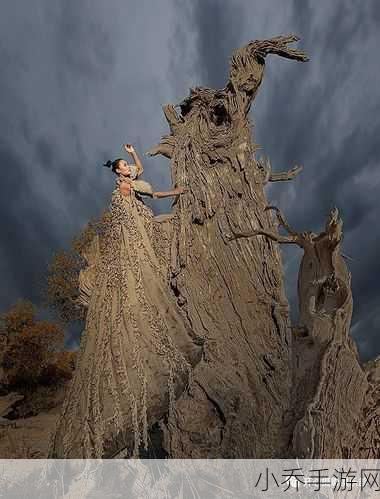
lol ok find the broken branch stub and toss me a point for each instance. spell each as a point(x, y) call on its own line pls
point(215, 283)
point(233, 293)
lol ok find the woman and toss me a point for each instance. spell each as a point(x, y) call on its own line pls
point(128, 174)
point(137, 350)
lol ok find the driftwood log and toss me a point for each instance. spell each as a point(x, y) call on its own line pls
point(264, 389)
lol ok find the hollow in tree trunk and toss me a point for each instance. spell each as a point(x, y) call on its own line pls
point(263, 389)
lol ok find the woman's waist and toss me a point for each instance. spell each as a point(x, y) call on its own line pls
point(129, 205)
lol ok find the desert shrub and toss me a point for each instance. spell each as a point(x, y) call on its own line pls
point(59, 369)
point(62, 282)
point(32, 348)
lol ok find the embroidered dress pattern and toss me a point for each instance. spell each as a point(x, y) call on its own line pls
point(137, 350)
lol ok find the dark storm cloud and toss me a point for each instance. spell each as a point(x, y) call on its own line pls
point(217, 36)
point(37, 172)
point(78, 79)
point(81, 78)
point(323, 114)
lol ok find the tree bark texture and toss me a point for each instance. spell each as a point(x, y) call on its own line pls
point(263, 388)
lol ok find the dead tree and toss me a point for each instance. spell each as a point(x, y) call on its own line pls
point(335, 400)
point(261, 391)
point(232, 292)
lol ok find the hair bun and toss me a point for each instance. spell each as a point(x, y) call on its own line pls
point(108, 164)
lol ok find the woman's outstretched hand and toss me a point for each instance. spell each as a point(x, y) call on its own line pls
point(129, 148)
point(180, 190)
point(175, 192)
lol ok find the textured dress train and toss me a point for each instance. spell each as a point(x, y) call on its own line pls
point(137, 350)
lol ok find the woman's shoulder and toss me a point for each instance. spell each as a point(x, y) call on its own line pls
point(142, 187)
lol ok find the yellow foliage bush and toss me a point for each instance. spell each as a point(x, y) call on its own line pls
point(31, 349)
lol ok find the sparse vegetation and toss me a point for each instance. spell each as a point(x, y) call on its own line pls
point(32, 349)
point(62, 288)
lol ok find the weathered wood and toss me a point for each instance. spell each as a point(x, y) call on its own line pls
point(334, 399)
point(261, 391)
point(231, 291)
point(165, 147)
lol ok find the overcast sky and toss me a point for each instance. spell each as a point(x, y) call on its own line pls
point(81, 77)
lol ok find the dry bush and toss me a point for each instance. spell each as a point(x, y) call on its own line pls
point(62, 287)
point(32, 348)
point(60, 368)
point(21, 314)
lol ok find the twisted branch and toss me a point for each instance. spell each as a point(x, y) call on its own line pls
point(266, 166)
point(172, 117)
point(282, 220)
point(289, 175)
point(293, 238)
point(271, 235)
point(165, 147)
point(247, 65)
point(333, 232)
point(278, 46)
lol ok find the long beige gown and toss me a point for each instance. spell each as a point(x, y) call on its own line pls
point(137, 350)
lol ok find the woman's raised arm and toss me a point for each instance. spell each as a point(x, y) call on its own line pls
point(131, 150)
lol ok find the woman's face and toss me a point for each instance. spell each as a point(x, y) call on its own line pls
point(123, 168)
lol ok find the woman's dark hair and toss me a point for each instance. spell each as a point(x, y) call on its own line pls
point(113, 164)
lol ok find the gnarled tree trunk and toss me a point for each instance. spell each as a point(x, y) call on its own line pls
point(262, 390)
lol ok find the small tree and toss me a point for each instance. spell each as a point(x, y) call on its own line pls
point(31, 347)
point(21, 315)
point(61, 368)
point(62, 286)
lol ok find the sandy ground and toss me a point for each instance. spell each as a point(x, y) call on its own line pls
point(25, 438)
